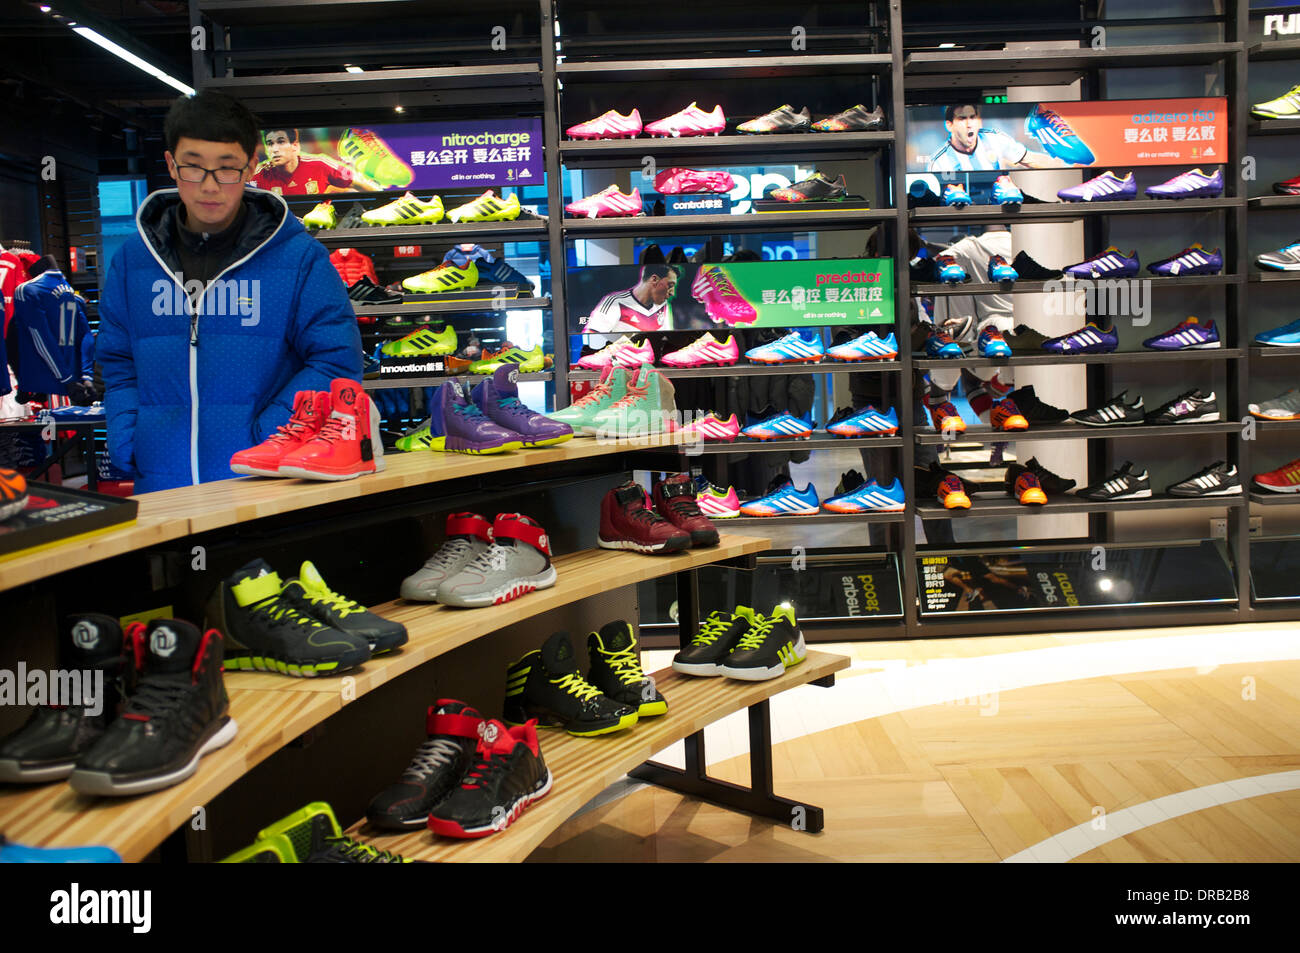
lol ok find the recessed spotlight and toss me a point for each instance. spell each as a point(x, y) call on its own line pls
point(45, 8)
point(946, 46)
point(399, 109)
point(353, 69)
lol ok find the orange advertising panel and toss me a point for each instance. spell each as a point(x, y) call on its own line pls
point(1151, 132)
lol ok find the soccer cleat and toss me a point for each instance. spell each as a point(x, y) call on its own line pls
point(310, 408)
point(370, 155)
point(445, 277)
point(939, 343)
point(408, 210)
point(1286, 106)
point(423, 342)
point(11, 853)
point(674, 499)
point(1193, 407)
point(1187, 335)
point(1288, 187)
point(1033, 409)
point(1051, 483)
point(714, 289)
point(608, 125)
point(466, 428)
point(950, 270)
point(780, 427)
point(815, 188)
point(348, 443)
point(678, 181)
point(1288, 335)
point(312, 836)
point(870, 497)
point(1126, 483)
point(364, 291)
point(691, 121)
point(1029, 270)
point(352, 218)
point(991, 343)
point(437, 769)
point(1006, 192)
point(312, 597)
point(498, 397)
point(1000, 271)
point(1025, 340)
point(422, 438)
point(1285, 479)
point(767, 648)
point(1107, 187)
point(1117, 412)
point(1285, 406)
point(865, 347)
point(704, 351)
point(1286, 258)
point(628, 522)
point(607, 203)
point(646, 407)
point(1007, 416)
point(784, 501)
point(546, 685)
point(780, 119)
point(622, 353)
point(867, 422)
point(506, 775)
point(616, 670)
point(13, 493)
point(854, 119)
point(611, 388)
point(1193, 260)
point(323, 216)
point(1218, 479)
point(1111, 263)
point(955, 195)
point(469, 535)
point(952, 493)
point(525, 362)
point(718, 504)
point(712, 427)
point(947, 419)
point(47, 746)
point(492, 269)
point(177, 712)
point(487, 208)
point(1028, 490)
point(1192, 184)
point(518, 562)
point(266, 632)
point(713, 642)
point(1089, 339)
point(797, 347)
point(1058, 139)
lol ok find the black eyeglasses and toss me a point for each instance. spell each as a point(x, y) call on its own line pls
point(196, 173)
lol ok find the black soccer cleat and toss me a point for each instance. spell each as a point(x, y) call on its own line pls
point(1126, 483)
point(616, 670)
point(1218, 479)
point(365, 291)
point(717, 636)
point(506, 776)
point(1030, 270)
point(546, 685)
point(438, 767)
point(1117, 412)
point(1033, 409)
point(771, 645)
point(1193, 407)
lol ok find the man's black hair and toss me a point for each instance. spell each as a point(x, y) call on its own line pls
point(654, 271)
point(212, 117)
point(289, 129)
point(951, 111)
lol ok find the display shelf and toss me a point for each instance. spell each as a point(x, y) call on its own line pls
point(506, 84)
point(1268, 277)
point(985, 434)
point(706, 69)
point(1274, 499)
point(435, 380)
point(716, 149)
point(1277, 425)
point(1063, 211)
point(1274, 201)
point(818, 441)
point(293, 12)
point(726, 224)
point(1274, 49)
point(1067, 504)
point(1272, 127)
point(477, 306)
point(1117, 357)
point(958, 68)
point(823, 517)
point(520, 230)
point(1063, 285)
point(583, 767)
point(760, 370)
point(1271, 352)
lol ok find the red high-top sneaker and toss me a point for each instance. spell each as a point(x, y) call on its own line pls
point(348, 444)
point(310, 408)
point(627, 523)
point(675, 502)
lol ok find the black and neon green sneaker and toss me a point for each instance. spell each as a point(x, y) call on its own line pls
point(311, 836)
point(545, 684)
point(330, 608)
point(717, 636)
point(770, 646)
point(266, 632)
point(274, 850)
point(423, 342)
point(616, 670)
point(422, 438)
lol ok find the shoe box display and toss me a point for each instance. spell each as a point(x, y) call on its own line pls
point(744, 644)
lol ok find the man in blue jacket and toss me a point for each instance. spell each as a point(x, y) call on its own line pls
point(217, 312)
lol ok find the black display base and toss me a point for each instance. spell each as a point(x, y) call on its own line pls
point(776, 206)
point(484, 292)
point(56, 513)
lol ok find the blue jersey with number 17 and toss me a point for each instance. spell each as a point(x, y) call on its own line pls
point(44, 340)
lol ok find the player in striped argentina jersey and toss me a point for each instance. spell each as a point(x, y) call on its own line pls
point(972, 148)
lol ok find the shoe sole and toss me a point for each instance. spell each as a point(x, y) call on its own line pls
point(652, 709)
point(264, 663)
point(778, 436)
point(304, 474)
point(1276, 489)
point(865, 433)
point(1231, 491)
point(1138, 495)
point(1110, 423)
point(699, 669)
point(1202, 419)
point(104, 784)
point(520, 586)
point(784, 360)
point(804, 512)
point(253, 471)
point(13, 772)
point(549, 442)
point(862, 360)
point(675, 545)
point(864, 509)
point(1264, 416)
point(453, 829)
point(763, 674)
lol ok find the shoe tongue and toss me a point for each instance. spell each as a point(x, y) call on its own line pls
point(748, 614)
point(311, 579)
point(630, 493)
point(343, 397)
point(94, 639)
point(677, 486)
point(255, 582)
point(617, 636)
point(557, 654)
point(451, 717)
point(505, 380)
point(170, 646)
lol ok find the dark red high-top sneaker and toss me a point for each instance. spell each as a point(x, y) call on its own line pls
point(348, 443)
point(627, 523)
point(310, 408)
point(675, 502)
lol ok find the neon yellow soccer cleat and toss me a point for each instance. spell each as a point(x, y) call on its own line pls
point(312, 835)
point(371, 156)
point(487, 208)
point(446, 277)
point(528, 362)
point(423, 342)
point(421, 438)
point(408, 210)
point(322, 216)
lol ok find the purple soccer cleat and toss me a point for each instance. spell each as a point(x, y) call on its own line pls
point(498, 398)
point(468, 429)
point(1192, 184)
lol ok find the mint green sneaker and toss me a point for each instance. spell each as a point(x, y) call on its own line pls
point(612, 388)
point(646, 408)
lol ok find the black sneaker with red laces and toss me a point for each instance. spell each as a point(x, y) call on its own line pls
point(506, 775)
point(438, 767)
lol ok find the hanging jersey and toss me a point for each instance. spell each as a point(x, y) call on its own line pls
point(46, 336)
point(993, 150)
point(311, 177)
point(353, 265)
point(620, 311)
point(13, 272)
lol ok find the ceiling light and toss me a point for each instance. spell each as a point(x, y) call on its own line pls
point(125, 54)
point(353, 69)
point(399, 109)
point(946, 46)
point(44, 8)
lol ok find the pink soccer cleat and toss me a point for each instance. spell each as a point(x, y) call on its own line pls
point(692, 182)
point(691, 121)
point(705, 351)
point(712, 427)
point(717, 505)
point(609, 126)
point(610, 203)
point(622, 353)
point(724, 303)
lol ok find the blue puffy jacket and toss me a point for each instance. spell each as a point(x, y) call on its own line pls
point(185, 391)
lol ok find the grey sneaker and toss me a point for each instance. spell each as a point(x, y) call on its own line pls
point(1282, 407)
point(468, 536)
point(517, 562)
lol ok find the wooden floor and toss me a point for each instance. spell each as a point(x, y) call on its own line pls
point(1154, 745)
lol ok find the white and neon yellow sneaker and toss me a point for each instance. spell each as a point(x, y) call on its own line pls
point(446, 277)
point(322, 216)
point(487, 208)
point(1286, 106)
point(408, 210)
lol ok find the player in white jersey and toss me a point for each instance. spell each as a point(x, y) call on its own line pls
point(646, 306)
point(972, 148)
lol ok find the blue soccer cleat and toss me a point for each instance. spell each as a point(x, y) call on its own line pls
point(1058, 139)
point(1005, 192)
point(1288, 335)
point(941, 344)
point(787, 501)
point(1000, 271)
point(955, 195)
point(950, 270)
point(797, 347)
point(991, 343)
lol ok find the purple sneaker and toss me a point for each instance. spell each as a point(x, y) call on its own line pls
point(468, 429)
point(1193, 184)
point(498, 397)
point(1190, 334)
point(1112, 263)
point(1107, 187)
point(1089, 339)
point(1190, 261)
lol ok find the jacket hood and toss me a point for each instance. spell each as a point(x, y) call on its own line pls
point(269, 222)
